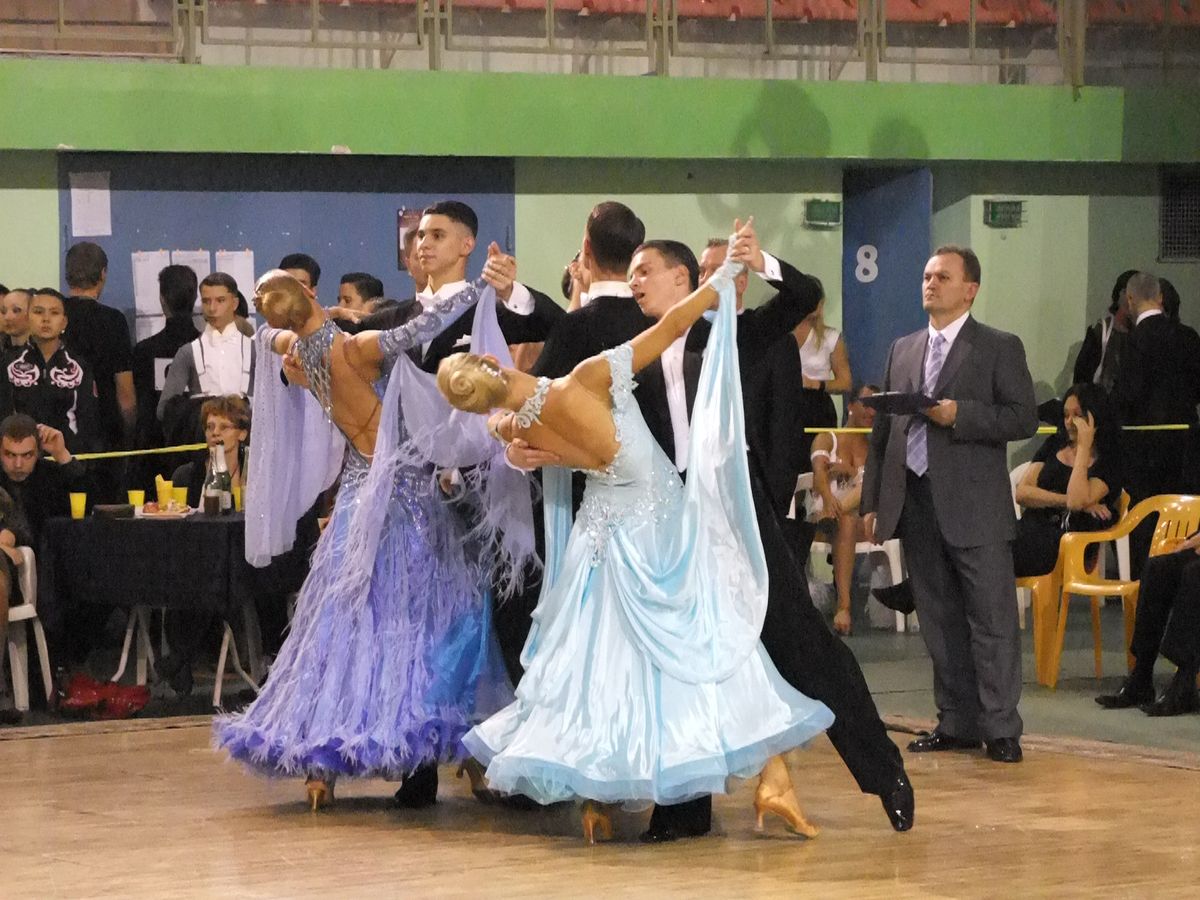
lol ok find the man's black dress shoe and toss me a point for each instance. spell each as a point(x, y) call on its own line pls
point(898, 803)
point(11, 717)
point(418, 790)
point(1006, 750)
point(1173, 702)
point(938, 740)
point(664, 834)
point(1132, 693)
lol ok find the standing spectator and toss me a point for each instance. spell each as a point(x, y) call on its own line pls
point(303, 268)
point(52, 384)
point(100, 335)
point(360, 291)
point(939, 481)
point(1171, 299)
point(152, 357)
point(1100, 355)
point(1158, 383)
point(221, 360)
point(14, 309)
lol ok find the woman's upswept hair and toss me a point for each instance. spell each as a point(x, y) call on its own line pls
point(286, 294)
point(471, 383)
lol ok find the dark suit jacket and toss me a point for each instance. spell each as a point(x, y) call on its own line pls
point(531, 329)
point(986, 373)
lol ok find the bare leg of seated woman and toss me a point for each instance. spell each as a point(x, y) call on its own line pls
point(849, 532)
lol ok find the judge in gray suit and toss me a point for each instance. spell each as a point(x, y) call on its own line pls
point(938, 480)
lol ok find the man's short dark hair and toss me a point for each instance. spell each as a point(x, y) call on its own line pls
point(305, 263)
point(3, 290)
point(221, 280)
point(970, 261)
point(676, 253)
point(86, 263)
point(368, 286)
point(716, 242)
point(614, 234)
point(455, 211)
point(177, 287)
point(18, 427)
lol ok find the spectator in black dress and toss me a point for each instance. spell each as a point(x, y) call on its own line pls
point(14, 309)
point(1073, 484)
point(50, 383)
point(100, 335)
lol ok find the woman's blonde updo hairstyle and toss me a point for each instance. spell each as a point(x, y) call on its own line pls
point(471, 383)
point(284, 303)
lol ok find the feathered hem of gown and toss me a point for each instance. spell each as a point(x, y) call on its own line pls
point(352, 756)
point(547, 781)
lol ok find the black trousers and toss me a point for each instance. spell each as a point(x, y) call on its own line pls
point(1168, 612)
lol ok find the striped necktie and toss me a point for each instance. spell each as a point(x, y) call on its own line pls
point(918, 443)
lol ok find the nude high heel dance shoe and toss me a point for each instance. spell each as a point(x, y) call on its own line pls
point(320, 793)
point(595, 819)
point(775, 795)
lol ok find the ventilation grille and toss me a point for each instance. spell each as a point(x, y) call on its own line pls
point(1179, 219)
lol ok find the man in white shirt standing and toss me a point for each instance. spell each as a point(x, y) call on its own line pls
point(221, 360)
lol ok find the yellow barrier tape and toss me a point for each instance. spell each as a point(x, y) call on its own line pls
point(1042, 429)
point(116, 454)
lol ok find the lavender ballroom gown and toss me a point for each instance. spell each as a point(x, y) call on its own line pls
point(391, 657)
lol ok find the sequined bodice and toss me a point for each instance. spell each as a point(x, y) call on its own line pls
point(640, 484)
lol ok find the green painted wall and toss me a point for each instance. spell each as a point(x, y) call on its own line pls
point(28, 219)
point(45, 104)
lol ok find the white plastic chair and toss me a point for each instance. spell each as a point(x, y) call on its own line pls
point(890, 550)
point(18, 649)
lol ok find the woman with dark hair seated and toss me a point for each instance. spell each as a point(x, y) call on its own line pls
point(1073, 483)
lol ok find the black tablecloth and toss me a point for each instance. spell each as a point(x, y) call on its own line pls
point(193, 563)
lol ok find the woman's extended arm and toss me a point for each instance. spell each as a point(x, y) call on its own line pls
point(839, 361)
point(1034, 497)
point(373, 347)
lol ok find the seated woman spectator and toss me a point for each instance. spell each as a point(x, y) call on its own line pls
point(50, 383)
point(838, 461)
point(226, 423)
point(1073, 483)
point(14, 316)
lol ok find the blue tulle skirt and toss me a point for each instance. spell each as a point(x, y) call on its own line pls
point(375, 681)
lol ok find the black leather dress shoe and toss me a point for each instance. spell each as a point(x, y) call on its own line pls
point(664, 834)
point(938, 740)
point(1006, 750)
point(419, 788)
point(1132, 693)
point(11, 717)
point(898, 803)
point(1173, 703)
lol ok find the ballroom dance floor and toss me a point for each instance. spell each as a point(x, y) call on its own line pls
point(146, 809)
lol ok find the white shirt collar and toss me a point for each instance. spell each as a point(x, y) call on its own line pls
point(449, 289)
point(950, 332)
point(609, 289)
point(1142, 316)
point(215, 336)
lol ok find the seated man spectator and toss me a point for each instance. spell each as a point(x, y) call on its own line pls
point(100, 335)
point(52, 384)
point(221, 360)
point(151, 357)
point(1168, 622)
point(41, 488)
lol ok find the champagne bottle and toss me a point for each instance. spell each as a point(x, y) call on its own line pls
point(218, 486)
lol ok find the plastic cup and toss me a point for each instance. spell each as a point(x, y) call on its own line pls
point(78, 504)
point(180, 495)
point(165, 494)
point(137, 499)
point(237, 497)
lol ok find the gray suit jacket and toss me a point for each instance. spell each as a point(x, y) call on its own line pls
point(986, 373)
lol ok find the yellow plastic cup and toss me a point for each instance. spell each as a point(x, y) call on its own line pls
point(180, 495)
point(137, 498)
point(165, 494)
point(237, 497)
point(78, 504)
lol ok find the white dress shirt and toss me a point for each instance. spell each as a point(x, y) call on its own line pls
point(950, 332)
point(607, 289)
point(225, 360)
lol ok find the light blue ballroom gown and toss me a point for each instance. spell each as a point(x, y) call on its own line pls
point(645, 679)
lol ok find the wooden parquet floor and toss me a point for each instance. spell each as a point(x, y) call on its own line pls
point(156, 813)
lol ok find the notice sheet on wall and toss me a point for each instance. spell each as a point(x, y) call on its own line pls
point(91, 204)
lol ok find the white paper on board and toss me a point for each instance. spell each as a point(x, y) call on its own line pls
point(91, 204)
point(240, 265)
point(146, 266)
point(199, 261)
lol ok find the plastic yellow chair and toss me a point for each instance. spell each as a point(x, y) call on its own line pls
point(1178, 517)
